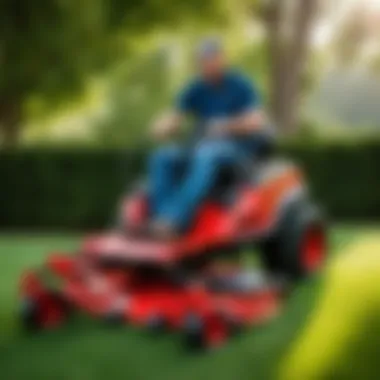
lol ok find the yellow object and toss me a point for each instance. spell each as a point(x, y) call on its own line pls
point(350, 296)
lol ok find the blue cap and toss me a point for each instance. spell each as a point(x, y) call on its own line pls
point(209, 47)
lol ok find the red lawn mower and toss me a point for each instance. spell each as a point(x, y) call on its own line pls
point(187, 284)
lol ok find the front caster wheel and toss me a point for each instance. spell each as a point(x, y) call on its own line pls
point(113, 318)
point(212, 331)
point(194, 333)
point(44, 312)
point(156, 324)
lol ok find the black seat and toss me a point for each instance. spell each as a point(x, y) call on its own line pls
point(230, 177)
point(266, 145)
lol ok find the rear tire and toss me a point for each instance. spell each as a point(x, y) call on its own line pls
point(298, 248)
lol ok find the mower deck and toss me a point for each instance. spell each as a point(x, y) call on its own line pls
point(207, 308)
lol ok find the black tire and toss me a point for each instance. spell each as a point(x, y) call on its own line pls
point(30, 312)
point(156, 324)
point(282, 252)
point(113, 318)
point(193, 333)
point(270, 254)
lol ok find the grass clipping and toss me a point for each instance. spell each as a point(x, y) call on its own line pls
point(342, 339)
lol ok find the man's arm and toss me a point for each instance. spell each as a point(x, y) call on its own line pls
point(247, 123)
point(167, 125)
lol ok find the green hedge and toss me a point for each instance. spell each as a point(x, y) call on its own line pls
point(79, 188)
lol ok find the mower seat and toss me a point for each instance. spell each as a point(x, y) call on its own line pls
point(231, 177)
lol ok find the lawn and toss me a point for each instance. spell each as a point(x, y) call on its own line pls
point(88, 350)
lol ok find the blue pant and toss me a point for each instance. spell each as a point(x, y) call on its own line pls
point(180, 180)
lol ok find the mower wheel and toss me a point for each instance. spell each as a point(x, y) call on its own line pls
point(113, 318)
point(194, 332)
point(156, 324)
point(210, 333)
point(49, 311)
point(299, 246)
point(29, 314)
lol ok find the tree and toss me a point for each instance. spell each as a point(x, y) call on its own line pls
point(51, 47)
point(288, 24)
point(46, 46)
point(137, 92)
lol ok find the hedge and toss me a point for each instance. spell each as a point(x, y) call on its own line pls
point(79, 188)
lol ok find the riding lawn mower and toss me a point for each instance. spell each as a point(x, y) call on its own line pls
point(193, 284)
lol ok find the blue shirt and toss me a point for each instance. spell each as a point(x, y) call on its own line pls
point(232, 96)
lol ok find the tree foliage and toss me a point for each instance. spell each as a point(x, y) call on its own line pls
point(136, 94)
point(51, 47)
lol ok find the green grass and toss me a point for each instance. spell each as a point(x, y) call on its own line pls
point(87, 350)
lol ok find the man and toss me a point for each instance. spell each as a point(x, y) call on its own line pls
point(226, 108)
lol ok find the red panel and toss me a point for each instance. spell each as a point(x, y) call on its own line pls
point(135, 209)
point(62, 265)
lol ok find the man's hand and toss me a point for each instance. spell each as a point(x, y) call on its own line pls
point(240, 125)
point(166, 126)
point(218, 128)
point(246, 124)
